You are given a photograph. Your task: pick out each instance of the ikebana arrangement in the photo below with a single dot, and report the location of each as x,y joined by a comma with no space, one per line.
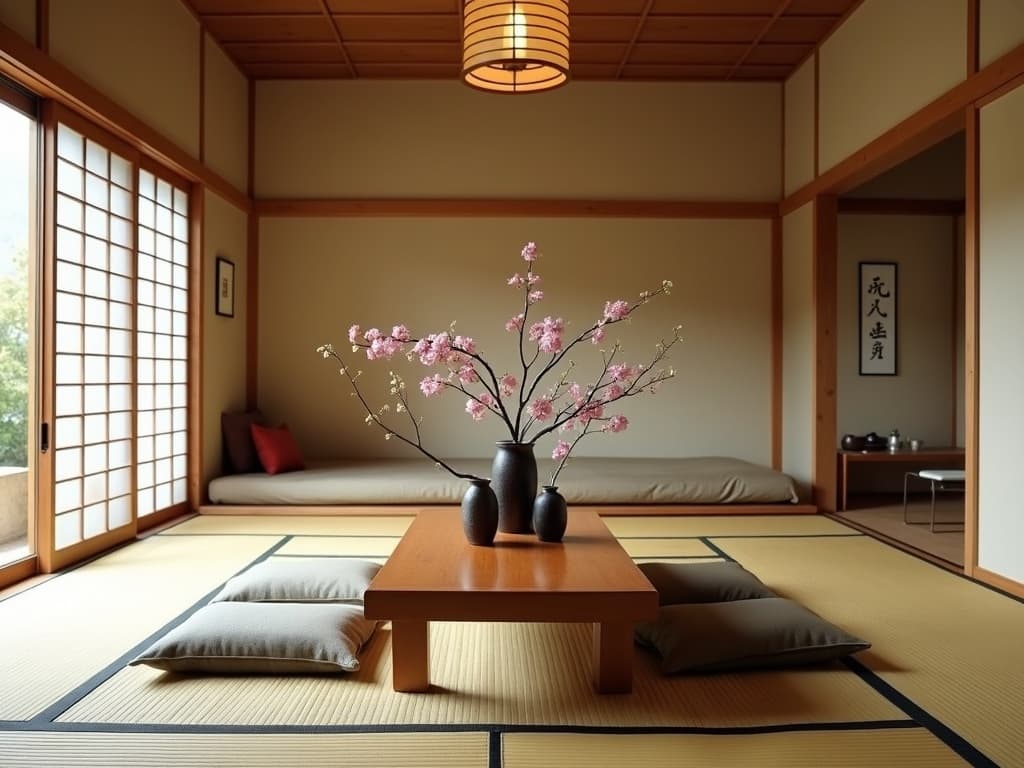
538,399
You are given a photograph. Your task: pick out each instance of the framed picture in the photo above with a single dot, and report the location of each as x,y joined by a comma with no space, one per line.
877,311
225,287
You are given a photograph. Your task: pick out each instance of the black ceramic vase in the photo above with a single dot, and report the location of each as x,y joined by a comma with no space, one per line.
550,514
514,479
480,513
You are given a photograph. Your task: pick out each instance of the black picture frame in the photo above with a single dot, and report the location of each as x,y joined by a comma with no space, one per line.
878,318
224,293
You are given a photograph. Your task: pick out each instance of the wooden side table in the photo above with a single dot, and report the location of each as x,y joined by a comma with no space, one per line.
926,458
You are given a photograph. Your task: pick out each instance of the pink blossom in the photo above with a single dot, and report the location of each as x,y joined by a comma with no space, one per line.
550,342
621,372
373,333
467,374
534,296
475,409
598,335
465,343
614,392
592,411
508,384
383,348
541,409
435,348
515,324
485,398
516,281
401,333
561,450
530,251
431,385
575,392
616,424
616,310
548,334
567,426
353,333
531,278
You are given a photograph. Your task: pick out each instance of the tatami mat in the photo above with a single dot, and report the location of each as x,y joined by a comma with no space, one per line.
666,548
489,673
265,750
911,748
726,525
297,525
362,546
61,632
951,646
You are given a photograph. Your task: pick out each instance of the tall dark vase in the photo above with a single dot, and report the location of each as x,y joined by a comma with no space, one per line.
480,513
514,479
550,514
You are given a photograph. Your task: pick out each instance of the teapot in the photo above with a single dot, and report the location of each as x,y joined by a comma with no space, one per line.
894,441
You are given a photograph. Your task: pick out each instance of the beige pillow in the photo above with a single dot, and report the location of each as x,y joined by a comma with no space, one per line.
703,582
743,634
263,638
301,580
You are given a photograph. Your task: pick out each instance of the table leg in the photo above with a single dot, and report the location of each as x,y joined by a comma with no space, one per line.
613,657
843,481
410,666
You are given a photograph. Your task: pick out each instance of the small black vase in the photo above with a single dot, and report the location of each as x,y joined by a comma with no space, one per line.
550,514
514,479
480,513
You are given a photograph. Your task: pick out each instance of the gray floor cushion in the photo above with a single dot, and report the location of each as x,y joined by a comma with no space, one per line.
301,580
264,638
743,634
703,582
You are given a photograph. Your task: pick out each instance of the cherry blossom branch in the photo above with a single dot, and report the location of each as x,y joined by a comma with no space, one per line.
374,417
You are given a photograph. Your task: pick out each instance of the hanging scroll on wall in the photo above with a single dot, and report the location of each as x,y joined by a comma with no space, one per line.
877,311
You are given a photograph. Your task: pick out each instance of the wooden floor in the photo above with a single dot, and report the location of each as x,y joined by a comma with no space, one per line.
883,515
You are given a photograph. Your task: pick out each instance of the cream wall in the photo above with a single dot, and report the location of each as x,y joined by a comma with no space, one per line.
800,127
1001,28
919,400
885,62
318,276
226,117
20,15
798,346
225,229
144,55
1001,364
593,140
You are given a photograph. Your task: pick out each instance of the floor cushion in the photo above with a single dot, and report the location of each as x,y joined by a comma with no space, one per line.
301,580
703,582
743,634
264,638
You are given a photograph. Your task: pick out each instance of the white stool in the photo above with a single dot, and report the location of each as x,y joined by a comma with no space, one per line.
941,480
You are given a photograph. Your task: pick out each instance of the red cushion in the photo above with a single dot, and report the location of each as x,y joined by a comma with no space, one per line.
277,449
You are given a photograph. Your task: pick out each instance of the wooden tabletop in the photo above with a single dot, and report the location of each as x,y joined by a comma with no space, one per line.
435,574
905,455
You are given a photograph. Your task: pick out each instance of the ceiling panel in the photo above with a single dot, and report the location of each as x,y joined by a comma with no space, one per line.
656,39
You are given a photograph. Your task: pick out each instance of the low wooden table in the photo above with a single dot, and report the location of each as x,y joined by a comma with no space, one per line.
436,575
926,458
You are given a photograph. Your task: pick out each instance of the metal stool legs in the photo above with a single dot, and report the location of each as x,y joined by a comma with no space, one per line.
955,485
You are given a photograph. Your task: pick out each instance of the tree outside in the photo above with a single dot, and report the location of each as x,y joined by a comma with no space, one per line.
14,363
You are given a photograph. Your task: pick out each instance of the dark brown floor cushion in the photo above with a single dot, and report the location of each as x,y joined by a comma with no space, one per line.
743,634
264,638
240,455
301,580
703,582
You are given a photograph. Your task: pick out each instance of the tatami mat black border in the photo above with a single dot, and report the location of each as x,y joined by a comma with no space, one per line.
68,700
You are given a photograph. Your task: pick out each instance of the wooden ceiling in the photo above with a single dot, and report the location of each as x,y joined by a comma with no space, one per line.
610,39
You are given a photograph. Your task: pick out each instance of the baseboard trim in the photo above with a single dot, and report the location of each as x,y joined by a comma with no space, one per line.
605,510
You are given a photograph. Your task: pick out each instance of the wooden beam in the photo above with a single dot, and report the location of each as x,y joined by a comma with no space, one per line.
632,41
252,312
43,25
777,345
196,302
973,36
656,209
817,112
824,394
972,338
935,121
337,36
779,10
28,66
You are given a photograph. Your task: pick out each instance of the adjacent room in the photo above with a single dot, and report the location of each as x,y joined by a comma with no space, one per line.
511,383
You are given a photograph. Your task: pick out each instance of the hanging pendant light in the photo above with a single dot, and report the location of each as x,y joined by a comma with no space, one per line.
515,46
